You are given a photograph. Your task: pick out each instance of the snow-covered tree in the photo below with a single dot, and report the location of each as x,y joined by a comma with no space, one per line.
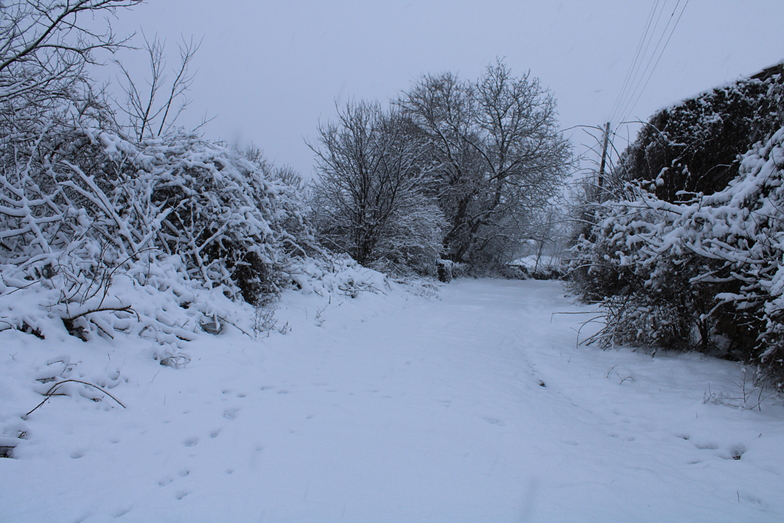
498,157
46,47
370,199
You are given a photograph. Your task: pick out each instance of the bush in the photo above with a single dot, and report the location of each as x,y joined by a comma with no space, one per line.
84,209
706,274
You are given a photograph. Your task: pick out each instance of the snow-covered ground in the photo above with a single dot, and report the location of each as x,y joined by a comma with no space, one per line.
471,405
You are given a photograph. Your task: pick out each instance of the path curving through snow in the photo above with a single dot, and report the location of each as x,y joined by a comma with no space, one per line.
475,406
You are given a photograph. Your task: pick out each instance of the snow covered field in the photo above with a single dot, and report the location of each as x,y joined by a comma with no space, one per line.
471,405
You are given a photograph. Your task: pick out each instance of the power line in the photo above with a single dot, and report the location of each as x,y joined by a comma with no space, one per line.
659,58
635,62
634,70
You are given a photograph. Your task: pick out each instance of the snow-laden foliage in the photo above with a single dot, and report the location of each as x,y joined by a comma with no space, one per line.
154,238
708,273
695,145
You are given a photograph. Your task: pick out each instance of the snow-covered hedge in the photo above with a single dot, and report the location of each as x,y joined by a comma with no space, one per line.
707,273
695,145
102,235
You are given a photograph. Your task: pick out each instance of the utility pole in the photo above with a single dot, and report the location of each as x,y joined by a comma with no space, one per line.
604,155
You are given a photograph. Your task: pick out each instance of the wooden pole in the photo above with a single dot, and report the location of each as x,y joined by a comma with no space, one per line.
604,154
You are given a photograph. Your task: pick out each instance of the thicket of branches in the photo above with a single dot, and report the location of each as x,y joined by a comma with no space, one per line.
104,230
462,167
688,270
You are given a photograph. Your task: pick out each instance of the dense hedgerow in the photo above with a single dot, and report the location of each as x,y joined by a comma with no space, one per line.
696,145
705,274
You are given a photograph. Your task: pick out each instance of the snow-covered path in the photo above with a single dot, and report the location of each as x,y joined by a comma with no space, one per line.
476,406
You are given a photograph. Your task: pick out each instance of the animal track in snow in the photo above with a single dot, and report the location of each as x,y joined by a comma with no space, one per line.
191,442
231,413
215,433
734,452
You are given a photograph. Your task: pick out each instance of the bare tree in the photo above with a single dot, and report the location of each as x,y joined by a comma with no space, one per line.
154,110
500,156
44,48
370,168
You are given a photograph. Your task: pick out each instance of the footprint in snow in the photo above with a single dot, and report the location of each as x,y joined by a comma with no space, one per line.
191,442
214,434
735,452
231,413
182,493
493,421
750,498
120,513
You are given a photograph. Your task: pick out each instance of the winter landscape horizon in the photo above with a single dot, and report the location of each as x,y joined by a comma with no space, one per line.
468,306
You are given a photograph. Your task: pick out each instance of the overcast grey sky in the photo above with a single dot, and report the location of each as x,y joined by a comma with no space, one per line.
269,70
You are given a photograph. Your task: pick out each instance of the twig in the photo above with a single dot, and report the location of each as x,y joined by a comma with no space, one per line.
570,312
127,309
51,392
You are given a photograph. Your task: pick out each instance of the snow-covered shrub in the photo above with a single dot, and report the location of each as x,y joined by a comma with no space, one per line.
83,211
232,224
412,239
704,274
644,285
336,275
